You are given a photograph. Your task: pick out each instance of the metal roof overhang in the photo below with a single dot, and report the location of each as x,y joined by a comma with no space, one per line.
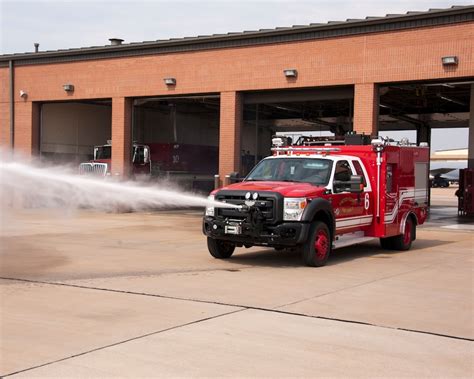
410,20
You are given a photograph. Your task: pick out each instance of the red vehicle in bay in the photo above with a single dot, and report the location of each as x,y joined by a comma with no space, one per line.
101,164
319,198
191,166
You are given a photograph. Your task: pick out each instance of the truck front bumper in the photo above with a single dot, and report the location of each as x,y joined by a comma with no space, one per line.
284,234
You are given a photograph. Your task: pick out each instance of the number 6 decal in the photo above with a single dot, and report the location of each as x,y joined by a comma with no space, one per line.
366,201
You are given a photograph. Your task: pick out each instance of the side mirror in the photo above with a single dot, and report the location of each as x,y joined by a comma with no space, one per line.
146,155
235,177
354,185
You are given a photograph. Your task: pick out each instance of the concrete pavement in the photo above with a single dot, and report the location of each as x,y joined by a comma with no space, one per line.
90,294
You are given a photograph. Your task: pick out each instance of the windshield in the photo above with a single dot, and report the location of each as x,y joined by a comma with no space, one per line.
305,170
103,152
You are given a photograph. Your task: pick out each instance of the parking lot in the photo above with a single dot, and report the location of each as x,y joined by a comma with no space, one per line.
137,294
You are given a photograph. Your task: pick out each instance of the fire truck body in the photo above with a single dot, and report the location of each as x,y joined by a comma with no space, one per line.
358,192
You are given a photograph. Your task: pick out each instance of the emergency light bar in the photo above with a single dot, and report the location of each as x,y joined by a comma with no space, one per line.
277,141
291,150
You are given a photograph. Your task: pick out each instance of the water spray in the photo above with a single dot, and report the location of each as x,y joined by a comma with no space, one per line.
53,187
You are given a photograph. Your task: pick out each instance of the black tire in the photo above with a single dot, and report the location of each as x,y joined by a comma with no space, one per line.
403,241
220,249
317,248
386,243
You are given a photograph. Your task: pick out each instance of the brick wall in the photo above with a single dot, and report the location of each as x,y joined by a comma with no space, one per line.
4,107
374,58
229,133
121,136
27,122
365,108
357,60
4,125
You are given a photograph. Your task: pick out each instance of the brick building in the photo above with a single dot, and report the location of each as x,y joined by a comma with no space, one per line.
223,96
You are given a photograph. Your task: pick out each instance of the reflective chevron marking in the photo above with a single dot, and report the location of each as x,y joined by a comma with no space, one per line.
407,194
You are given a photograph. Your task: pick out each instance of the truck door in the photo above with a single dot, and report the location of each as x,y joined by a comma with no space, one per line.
351,209
369,201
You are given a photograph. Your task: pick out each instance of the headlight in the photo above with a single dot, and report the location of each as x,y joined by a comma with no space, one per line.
210,209
293,208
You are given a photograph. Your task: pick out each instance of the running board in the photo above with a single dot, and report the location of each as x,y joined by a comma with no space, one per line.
349,239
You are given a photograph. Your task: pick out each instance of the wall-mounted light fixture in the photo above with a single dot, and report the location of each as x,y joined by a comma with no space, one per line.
23,94
290,73
68,87
450,61
170,81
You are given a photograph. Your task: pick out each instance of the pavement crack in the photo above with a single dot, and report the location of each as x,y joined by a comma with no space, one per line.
250,307
355,286
123,341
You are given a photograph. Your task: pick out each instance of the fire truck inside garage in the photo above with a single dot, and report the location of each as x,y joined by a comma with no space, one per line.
182,134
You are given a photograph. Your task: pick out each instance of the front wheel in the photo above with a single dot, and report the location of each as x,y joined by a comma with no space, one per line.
317,248
220,249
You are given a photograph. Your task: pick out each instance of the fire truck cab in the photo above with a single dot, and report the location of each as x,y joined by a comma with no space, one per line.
321,197
101,165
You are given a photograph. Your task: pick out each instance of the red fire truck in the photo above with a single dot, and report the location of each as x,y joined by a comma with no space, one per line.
321,197
162,160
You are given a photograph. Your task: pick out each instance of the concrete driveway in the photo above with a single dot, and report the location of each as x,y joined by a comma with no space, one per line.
137,295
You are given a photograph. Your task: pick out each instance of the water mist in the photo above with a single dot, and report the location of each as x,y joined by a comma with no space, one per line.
37,185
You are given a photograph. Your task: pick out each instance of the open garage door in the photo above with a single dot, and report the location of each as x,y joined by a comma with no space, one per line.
69,131
422,105
183,136
437,112
314,112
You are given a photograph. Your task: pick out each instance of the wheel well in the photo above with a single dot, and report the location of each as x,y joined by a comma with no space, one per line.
413,218
324,217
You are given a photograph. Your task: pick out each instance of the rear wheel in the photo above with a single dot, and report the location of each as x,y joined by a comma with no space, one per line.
403,241
220,249
317,248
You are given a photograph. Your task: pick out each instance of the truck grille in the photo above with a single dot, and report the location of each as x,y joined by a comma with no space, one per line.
95,169
267,203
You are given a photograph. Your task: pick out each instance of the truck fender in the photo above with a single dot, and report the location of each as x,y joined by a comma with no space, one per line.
317,205
404,221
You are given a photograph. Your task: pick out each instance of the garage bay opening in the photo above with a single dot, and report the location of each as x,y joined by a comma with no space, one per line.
69,131
182,134
317,112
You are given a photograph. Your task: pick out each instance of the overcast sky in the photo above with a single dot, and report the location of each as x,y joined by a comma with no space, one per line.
72,23
64,24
